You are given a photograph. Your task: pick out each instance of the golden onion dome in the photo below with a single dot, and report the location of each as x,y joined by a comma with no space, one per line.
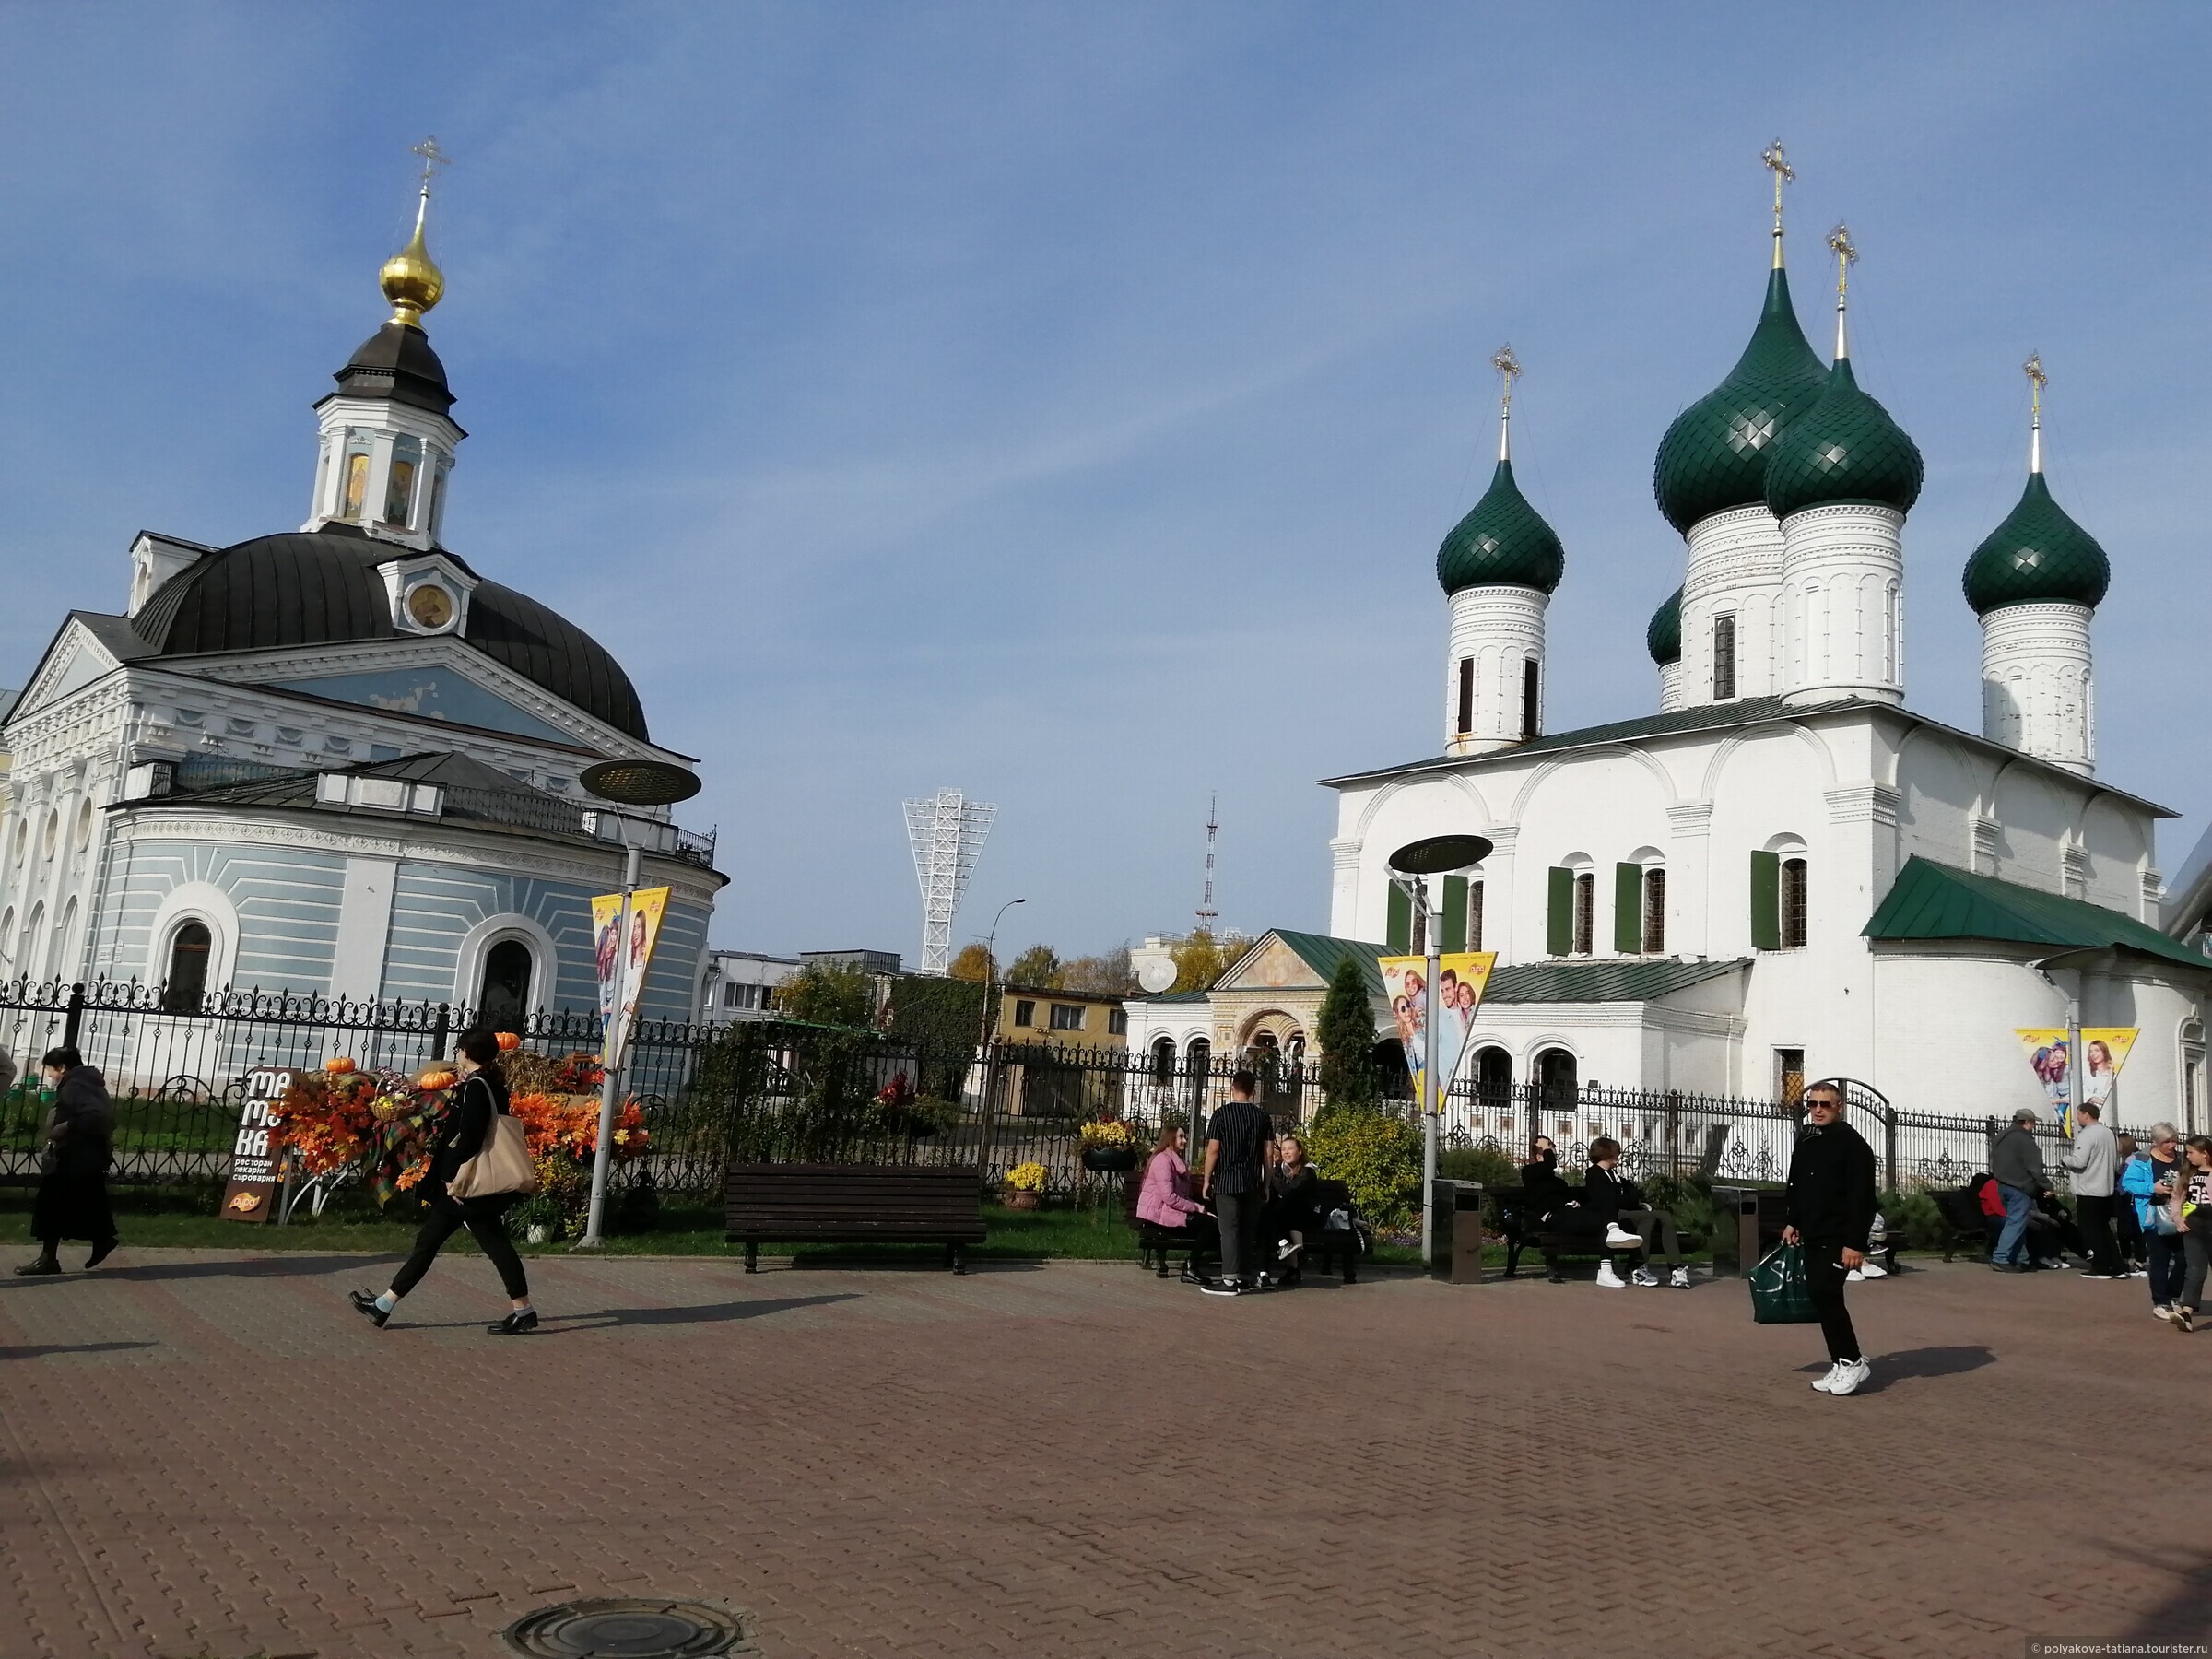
411,278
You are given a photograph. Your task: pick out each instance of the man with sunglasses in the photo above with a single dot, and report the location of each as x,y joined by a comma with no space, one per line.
1830,1212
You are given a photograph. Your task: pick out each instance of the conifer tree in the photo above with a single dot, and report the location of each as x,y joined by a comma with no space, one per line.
1346,1031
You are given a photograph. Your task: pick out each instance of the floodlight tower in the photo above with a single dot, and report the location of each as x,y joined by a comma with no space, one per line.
945,831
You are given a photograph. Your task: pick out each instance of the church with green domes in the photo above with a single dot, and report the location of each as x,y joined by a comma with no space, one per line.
1782,872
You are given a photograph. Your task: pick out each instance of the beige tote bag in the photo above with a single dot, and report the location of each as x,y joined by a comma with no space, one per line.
502,1166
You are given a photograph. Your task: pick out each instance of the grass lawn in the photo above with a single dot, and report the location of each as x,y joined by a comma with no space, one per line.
179,1221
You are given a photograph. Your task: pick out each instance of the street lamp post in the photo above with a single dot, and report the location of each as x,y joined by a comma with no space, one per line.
984,1036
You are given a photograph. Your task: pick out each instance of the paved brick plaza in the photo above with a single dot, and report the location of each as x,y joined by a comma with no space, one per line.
209,1455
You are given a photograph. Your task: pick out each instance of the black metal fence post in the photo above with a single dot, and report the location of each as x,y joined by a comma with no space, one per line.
74,1024
439,1027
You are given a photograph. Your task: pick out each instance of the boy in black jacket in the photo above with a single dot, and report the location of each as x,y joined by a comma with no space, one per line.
1830,1211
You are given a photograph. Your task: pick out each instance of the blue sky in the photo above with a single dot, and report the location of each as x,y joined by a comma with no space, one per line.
1064,404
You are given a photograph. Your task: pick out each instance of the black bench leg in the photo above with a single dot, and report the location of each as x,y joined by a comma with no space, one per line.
953,1259
752,1255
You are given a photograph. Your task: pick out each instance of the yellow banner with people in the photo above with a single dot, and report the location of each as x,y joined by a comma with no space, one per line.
621,958
2104,1051
1462,976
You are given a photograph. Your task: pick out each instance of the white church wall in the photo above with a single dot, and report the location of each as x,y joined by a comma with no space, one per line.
1940,787
2034,822
2115,840
1601,806
286,901
1767,788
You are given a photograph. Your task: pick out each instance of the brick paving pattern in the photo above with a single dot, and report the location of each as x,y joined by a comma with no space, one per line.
209,1457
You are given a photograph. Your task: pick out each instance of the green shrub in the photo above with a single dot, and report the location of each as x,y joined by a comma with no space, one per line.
1486,1164
1914,1221
1377,1157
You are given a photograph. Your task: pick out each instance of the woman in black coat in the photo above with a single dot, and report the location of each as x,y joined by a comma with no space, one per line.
480,1097
73,1189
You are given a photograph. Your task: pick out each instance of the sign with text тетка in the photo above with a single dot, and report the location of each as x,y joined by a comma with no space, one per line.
254,1164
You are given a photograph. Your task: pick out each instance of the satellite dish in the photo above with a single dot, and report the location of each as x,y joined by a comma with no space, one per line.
1156,975
640,783
1440,854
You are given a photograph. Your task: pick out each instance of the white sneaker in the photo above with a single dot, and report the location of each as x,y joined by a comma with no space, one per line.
1619,1237
1643,1275
1827,1380
1680,1281
2162,1311
1854,1275
1610,1279
1873,1269
1849,1374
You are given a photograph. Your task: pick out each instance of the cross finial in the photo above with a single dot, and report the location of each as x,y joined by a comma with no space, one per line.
1847,255
2037,381
433,158
1772,159
1509,368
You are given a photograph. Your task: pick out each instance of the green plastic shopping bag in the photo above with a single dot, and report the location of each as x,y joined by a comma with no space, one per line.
1778,1293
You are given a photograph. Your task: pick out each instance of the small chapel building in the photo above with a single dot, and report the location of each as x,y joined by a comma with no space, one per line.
341,760
1782,872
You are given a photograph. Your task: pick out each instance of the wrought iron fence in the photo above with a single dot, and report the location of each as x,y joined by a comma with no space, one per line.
776,1089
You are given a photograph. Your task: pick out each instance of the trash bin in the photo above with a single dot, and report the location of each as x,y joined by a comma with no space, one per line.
1456,1246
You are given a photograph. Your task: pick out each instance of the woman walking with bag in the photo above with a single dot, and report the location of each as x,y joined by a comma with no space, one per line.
73,1188
472,1183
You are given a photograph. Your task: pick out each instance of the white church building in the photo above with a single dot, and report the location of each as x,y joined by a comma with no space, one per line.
1782,872
339,760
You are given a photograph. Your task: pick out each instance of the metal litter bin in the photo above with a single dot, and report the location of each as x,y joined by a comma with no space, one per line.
1455,1247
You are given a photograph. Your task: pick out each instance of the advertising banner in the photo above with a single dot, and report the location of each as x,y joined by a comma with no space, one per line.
1461,978
2105,1049
255,1167
621,962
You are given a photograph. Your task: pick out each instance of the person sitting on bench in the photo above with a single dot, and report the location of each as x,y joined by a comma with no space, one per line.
1287,1214
1165,1200
1568,1213
1612,1197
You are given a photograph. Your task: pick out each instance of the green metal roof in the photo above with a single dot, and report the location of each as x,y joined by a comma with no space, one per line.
1599,979
2037,554
1503,542
1845,448
1323,954
1663,639
1932,901
1715,455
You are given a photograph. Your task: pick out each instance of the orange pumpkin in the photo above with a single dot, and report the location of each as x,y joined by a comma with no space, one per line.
509,1043
437,1079
340,1068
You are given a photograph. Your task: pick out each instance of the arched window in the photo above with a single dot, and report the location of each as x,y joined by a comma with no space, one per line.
399,483
1654,910
1585,912
1163,1059
1724,658
1493,1077
357,486
504,999
186,988
1556,1079
1201,1056
1796,897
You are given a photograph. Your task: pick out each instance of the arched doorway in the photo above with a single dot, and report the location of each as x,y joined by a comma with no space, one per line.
1556,1079
503,1000
1493,1077
1390,1072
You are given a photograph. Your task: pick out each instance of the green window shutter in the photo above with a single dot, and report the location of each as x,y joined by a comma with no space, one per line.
1400,933
1558,915
1627,908
1766,901
1456,914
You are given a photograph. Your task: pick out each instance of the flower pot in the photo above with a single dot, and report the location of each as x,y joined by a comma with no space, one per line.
1110,1161
1024,1201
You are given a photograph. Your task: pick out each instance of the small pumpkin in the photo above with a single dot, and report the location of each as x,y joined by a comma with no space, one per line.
435,1080
340,1067
509,1043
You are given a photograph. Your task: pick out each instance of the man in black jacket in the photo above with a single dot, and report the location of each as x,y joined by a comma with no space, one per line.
1832,1204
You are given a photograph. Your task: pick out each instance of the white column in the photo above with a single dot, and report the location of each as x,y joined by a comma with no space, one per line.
2038,694
1343,887
1844,603
357,965
1499,630
1689,878
1670,686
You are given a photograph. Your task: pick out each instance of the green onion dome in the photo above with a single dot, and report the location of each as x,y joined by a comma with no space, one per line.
1715,456
1845,448
1502,543
1664,637
2037,555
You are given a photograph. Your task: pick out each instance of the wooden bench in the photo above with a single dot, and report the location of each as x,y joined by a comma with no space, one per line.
1964,1225
1154,1243
1520,1227
1331,1248
854,1204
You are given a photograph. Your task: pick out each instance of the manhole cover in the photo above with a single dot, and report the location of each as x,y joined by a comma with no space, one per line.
630,1627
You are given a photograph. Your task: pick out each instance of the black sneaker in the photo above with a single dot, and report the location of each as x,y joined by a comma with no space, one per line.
101,1251
1222,1287
39,1269
1191,1275
365,1303
515,1325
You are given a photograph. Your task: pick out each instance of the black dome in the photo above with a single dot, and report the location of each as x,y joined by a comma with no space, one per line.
396,363
322,587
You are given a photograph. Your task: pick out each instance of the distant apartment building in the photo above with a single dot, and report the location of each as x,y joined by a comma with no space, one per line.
741,984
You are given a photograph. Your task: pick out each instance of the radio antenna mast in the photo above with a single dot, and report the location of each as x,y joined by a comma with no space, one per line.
1207,915
946,833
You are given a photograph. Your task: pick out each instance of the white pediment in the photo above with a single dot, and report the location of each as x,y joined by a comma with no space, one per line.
74,662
